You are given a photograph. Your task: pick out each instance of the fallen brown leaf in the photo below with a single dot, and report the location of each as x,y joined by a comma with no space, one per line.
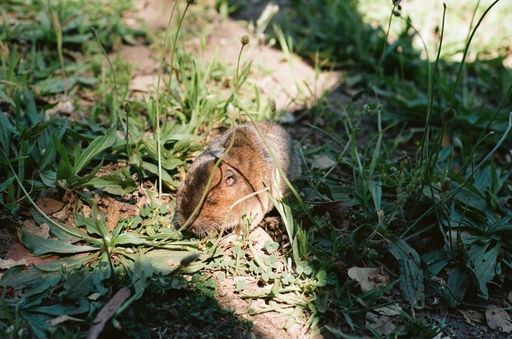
382,325
322,162
472,316
146,83
64,106
498,319
42,230
367,277
107,312
62,318
112,214
18,252
49,205
8,263
390,310
257,238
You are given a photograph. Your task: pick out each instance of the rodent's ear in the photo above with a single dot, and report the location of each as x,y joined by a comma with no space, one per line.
217,152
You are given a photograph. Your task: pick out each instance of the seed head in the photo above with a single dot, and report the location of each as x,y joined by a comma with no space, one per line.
244,40
190,2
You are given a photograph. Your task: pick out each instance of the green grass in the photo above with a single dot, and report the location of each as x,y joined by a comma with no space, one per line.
418,181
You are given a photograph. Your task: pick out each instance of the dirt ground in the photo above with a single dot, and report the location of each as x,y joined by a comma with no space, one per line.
287,80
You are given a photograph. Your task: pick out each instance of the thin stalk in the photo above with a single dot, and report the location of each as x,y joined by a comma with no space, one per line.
500,106
116,92
466,49
383,52
426,134
159,77
244,41
54,17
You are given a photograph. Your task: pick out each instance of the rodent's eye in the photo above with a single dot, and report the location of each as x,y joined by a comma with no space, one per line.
230,178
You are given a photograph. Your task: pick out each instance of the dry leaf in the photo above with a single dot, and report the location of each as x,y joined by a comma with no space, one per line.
367,277
8,263
382,325
94,296
498,319
4,51
472,316
390,310
42,230
107,312
257,238
63,214
112,214
62,318
49,205
18,252
323,162
288,118
146,83
63,107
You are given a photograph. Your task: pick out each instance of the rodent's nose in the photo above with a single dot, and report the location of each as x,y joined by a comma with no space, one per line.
199,230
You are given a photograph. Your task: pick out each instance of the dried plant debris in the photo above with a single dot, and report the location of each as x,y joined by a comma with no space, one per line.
498,319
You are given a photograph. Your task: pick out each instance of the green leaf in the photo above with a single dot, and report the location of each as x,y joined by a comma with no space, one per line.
49,178
56,310
482,262
95,224
164,261
4,185
7,98
39,245
435,261
79,283
6,128
411,275
169,159
152,168
458,281
55,85
21,279
119,182
97,146
68,263
65,175
64,232
129,238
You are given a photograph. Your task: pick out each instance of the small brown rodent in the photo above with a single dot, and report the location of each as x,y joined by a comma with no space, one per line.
242,180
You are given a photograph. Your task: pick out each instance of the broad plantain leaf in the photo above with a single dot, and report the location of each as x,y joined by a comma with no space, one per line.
39,245
482,262
458,281
129,238
97,146
411,275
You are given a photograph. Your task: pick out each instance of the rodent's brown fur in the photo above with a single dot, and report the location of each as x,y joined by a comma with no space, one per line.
245,168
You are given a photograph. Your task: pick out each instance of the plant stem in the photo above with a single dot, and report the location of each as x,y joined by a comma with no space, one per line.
173,49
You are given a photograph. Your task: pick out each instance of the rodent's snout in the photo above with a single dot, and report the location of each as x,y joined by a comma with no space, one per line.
200,231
